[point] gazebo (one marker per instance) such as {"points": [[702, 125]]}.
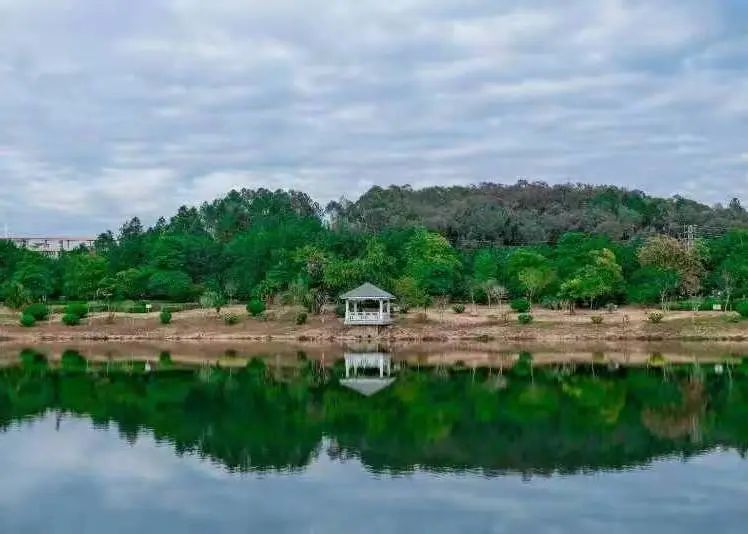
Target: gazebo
{"points": [[356, 301]]}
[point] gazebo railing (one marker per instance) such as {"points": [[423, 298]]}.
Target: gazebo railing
{"points": [[370, 317]]}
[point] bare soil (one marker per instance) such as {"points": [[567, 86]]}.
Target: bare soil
{"points": [[480, 324]]}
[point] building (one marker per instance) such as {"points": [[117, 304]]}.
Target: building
{"points": [[51, 246], [368, 305]]}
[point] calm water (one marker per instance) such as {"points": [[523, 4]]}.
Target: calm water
{"points": [[118, 448]]}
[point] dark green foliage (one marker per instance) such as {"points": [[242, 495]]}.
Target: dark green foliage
{"points": [[165, 317], [520, 305], [27, 320], [742, 308], [525, 318], [72, 360], [301, 318], [39, 311], [559, 245], [458, 308], [255, 307], [340, 310], [71, 319], [79, 309]]}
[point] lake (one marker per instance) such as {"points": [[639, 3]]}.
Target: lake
{"points": [[353, 441]]}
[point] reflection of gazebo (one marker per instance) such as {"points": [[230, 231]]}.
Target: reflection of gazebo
{"points": [[367, 385], [355, 301]]}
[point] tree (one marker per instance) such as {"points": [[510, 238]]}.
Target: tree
{"points": [[532, 270], [170, 285], [432, 263], [82, 274], [213, 299], [410, 293], [669, 254], [602, 276]]}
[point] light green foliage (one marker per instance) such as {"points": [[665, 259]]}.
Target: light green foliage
{"points": [[669, 254], [432, 263], [458, 308], [213, 299], [16, 296], [533, 271], [601, 277], [410, 294]]}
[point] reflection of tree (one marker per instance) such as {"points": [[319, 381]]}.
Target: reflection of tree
{"points": [[681, 420], [533, 422]]}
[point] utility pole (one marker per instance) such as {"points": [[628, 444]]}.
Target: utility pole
{"points": [[690, 236]]}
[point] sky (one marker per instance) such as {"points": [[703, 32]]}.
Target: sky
{"points": [[110, 110]]}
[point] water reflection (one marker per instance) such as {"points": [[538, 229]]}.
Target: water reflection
{"points": [[519, 417]]}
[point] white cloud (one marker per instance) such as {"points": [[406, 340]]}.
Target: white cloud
{"points": [[106, 114]]}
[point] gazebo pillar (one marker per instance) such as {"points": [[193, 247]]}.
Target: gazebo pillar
{"points": [[381, 309]]}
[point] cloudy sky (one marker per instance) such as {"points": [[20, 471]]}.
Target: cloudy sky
{"points": [[110, 110]]}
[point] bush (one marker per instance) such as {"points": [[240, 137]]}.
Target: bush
{"points": [[230, 319], [27, 320], [268, 316], [741, 307], [39, 311], [340, 310], [732, 318], [611, 307], [301, 317], [404, 309], [138, 307], [165, 316], [655, 316], [597, 319], [520, 305], [255, 307], [458, 308], [525, 318], [70, 319], [79, 309]]}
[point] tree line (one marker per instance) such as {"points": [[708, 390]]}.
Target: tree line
{"points": [[281, 246]]}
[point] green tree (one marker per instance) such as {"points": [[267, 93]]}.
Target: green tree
{"points": [[82, 274]]}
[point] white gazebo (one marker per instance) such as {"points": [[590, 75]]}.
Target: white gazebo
{"points": [[357, 300]]}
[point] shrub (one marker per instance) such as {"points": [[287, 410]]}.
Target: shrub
{"points": [[268, 316], [301, 317], [165, 316], [255, 307], [79, 309], [230, 319], [27, 320], [39, 311], [138, 307], [520, 305], [458, 308], [70, 319], [340, 310], [611, 307], [732, 318], [404, 309], [525, 318], [597, 319], [742, 308], [655, 316]]}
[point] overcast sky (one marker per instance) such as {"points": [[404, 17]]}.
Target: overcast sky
{"points": [[110, 110]]}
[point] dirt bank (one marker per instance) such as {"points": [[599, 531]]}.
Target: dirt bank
{"points": [[479, 325]]}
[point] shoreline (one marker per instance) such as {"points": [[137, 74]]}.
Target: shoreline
{"points": [[482, 325]]}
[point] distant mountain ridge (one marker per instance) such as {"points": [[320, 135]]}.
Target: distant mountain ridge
{"points": [[530, 212]]}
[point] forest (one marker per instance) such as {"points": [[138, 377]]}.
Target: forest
{"points": [[552, 245]]}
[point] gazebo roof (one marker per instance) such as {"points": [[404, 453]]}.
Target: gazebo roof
{"points": [[367, 386], [367, 291]]}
